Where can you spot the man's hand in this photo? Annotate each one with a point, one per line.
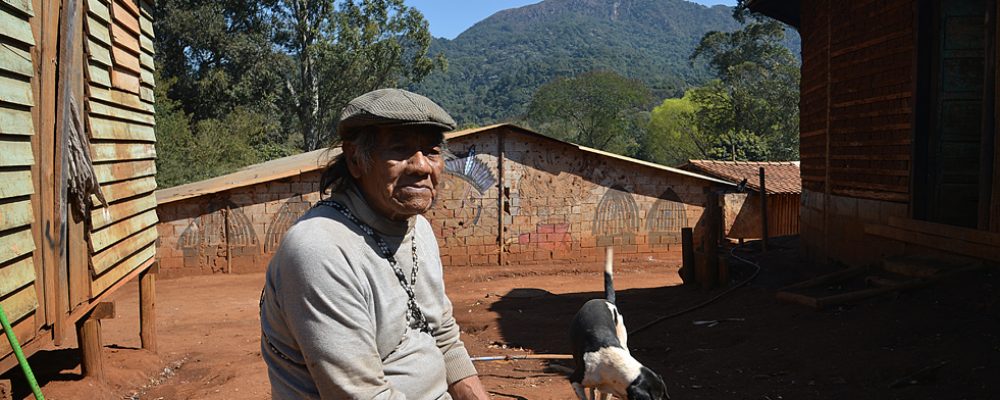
(470, 388)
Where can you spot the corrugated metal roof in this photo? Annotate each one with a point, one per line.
(780, 176)
(318, 159)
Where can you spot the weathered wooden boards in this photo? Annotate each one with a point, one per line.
(17, 243)
(120, 123)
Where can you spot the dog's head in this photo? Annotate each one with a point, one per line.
(647, 386)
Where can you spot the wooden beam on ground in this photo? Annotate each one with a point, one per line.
(147, 307)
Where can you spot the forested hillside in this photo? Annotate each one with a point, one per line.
(497, 65)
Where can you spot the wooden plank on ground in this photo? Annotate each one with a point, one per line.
(103, 128)
(102, 217)
(125, 80)
(15, 153)
(106, 259)
(15, 122)
(17, 28)
(16, 276)
(14, 245)
(13, 215)
(127, 265)
(16, 183)
(954, 232)
(99, 108)
(20, 304)
(125, 59)
(98, 31)
(99, 53)
(122, 151)
(23, 6)
(17, 91)
(121, 98)
(16, 61)
(943, 243)
(125, 189)
(120, 171)
(102, 238)
(99, 74)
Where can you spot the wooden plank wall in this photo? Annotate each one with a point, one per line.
(120, 123)
(872, 52)
(18, 293)
(814, 100)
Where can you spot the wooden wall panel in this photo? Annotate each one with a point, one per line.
(18, 291)
(120, 122)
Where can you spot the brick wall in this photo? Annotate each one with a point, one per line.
(560, 204)
(193, 231)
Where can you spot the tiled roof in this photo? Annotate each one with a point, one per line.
(779, 176)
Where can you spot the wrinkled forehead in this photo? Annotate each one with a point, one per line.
(417, 135)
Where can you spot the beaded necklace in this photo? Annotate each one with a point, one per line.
(411, 304)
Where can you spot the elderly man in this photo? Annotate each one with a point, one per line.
(354, 305)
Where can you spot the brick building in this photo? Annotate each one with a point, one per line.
(782, 184)
(898, 127)
(560, 202)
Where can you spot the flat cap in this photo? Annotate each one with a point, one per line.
(391, 107)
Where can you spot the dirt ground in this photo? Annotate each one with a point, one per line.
(941, 342)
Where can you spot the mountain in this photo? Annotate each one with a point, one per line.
(495, 66)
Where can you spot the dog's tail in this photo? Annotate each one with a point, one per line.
(609, 279)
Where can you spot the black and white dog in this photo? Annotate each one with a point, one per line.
(600, 350)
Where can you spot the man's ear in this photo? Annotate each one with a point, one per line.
(350, 150)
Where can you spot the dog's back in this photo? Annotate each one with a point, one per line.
(600, 349)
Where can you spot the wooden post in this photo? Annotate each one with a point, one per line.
(711, 264)
(229, 249)
(687, 254)
(88, 334)
(763, 209)
(147, 307)
(501, 202)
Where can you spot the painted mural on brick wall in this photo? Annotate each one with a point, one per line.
(290, 211)
(207, 234)
(467, 194)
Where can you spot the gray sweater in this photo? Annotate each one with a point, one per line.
(334, 314)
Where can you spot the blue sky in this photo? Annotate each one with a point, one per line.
(448, 18)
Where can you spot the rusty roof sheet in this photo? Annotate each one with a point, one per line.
(780, 176)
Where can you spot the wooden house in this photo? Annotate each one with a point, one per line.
(77, 151)
(899, 149)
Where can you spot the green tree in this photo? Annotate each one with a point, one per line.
(601, 109)
(673, 136)
(341, 51)
(751, 111)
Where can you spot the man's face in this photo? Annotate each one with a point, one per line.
(405, 168)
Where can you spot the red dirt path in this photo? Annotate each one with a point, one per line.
(209, 349)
